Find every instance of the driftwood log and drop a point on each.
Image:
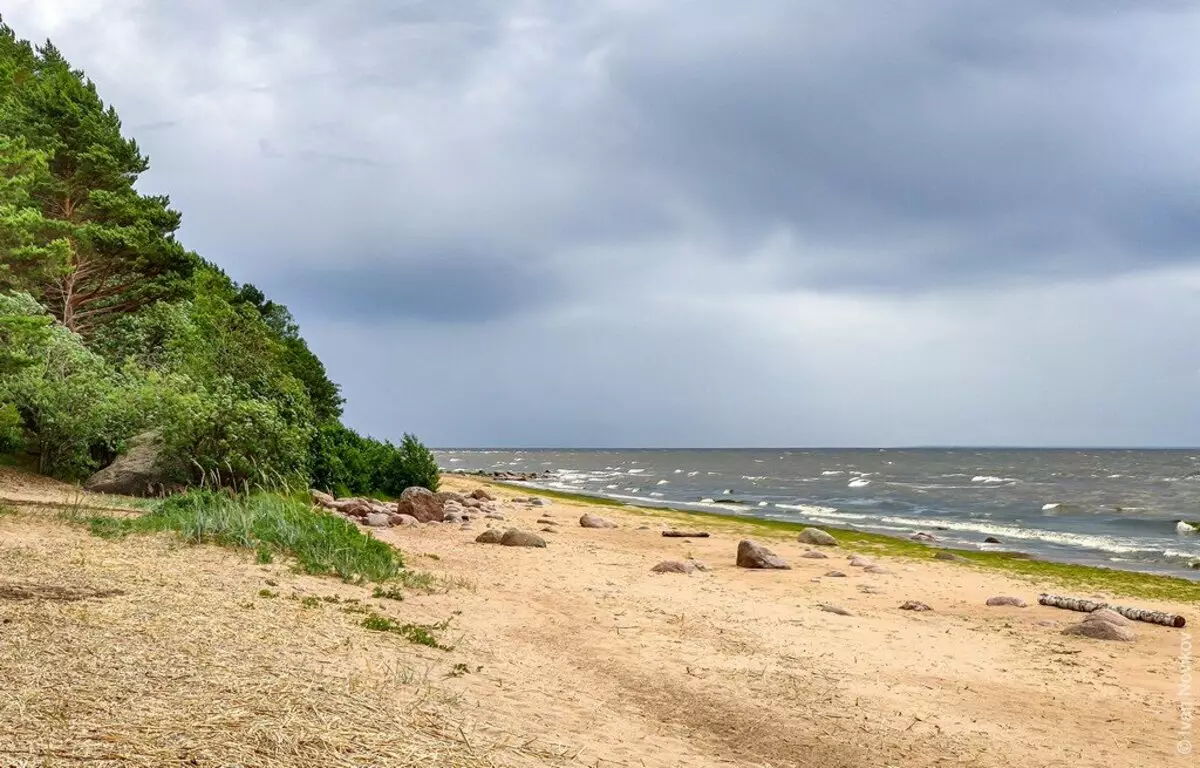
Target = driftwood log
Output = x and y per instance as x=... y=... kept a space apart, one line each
x=686 y=534
x=1083 y=605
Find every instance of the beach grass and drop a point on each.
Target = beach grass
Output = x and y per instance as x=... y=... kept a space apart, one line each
x=269 y=524
x=1066 y=575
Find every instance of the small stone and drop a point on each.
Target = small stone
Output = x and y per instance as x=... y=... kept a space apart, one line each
x=538 y=501
x=858 y=561
x=1016 y=602
x=673 y=566
x=869 y=589
x=876 y=569
x=546 y=521
x=839 y=610
x=991 y=540
x=588 y=520
x=914 y=605
x=699 y=566
x=751 y=555
x=548 y=529
x=813 y=554
x=1101 y=630
x=403 y=521
x=490 y=536
x=494 y=516
x=818 y=537
x=482 y=495
x=514 y=538
x=835 y=574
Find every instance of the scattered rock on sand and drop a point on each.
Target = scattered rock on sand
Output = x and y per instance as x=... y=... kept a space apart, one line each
x=914 y=605
x=951 y=557
x=813 y=554
x=699 y=566
x=472 y=503
x=378 y=520
x=447 y=496
x=817 y=536
x=858 y=561
x=1006 y=600
x=546 y=521
x=1109 y=615
x=922 y=536
x=835 y=574
x=1101 y=630
x=876 y=569
x=514 y=538
x=548 y=529
x=991 y=540
x=494 y=516
x=538 y=501
x=482 y=495
x=490 y=536
x=673 y=566
x=839 y=610
x=404 y=521
x=869 y=589
x=684 y=534
x=588 y=520
x=421 y=504
x=751 y=555
x=321 y=499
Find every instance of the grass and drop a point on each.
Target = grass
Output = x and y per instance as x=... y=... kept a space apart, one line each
x=389 y=593
x=1066 y=575
x=6 y=511
x=421 y=634
x=581 y=498
x=321 y=543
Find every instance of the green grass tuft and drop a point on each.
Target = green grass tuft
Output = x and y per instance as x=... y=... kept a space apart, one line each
x=7 y=511
x=321 y=543
x=390 y=593
x=421 y=634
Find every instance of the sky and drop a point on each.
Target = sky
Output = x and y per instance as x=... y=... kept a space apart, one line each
x=642 y=223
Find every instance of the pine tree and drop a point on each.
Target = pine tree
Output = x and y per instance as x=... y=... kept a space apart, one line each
x=106 y=249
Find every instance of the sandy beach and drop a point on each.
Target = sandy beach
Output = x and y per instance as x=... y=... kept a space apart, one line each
x=575 y=654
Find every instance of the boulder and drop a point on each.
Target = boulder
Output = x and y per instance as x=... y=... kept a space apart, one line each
x=514 y=538
x=136 y=472
x=1101 y=630
x=813 y=554
x=673 y=566
x=321 y=499
x=1110 y=616
x=482 y=495
x=588 y=520
x=353 y=507
x=991 y=540
x=858 y=561
x=1016 y=602
x=922 y=536
x=538 y=501
x=490 y=536
x=378 y=520
x=876 y=569
x=422 y=504
x=472 y=503
x=818 y=537
x=545 y=521
x=914 y=605
x=835 y=574
x=404 y=521
x=751 y=555
x=447 y=496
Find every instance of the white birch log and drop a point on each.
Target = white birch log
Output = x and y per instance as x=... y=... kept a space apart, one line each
x=1083 y=605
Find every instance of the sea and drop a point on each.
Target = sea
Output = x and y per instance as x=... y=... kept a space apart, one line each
x=1113 y=508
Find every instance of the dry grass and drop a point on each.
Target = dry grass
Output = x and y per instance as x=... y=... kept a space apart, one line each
x=190 y=667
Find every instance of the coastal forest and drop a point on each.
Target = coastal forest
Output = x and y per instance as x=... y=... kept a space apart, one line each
x=110 y=328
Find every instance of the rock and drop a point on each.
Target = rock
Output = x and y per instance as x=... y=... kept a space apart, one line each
x=813 y=554
x=453 y=517
x=870 y=589
x=482 y=495
x=1110 y=616
x=922 y=536
x=839 y=610
x=673 y=566
x=514 y=538
x=548 y=529
x=378 y=520
x=1016 y=602
x=914 y=605
x=494 y=516
x=1101 y=630
x=876 y=569
x=490 y=536
x=835 y=574
x=588 y=520
x=354 y=507
x=465 y=527
x=321 y=499
x=472 y=503
x=422 y=504
x=404 y=521
x=858 y=561
x=751 y=555
x=136 y=472
x=991 y=540
x=699 y=566
x=546 y=521
x=673 y=534
x=448 y=496
x=818 y=537
x=951 y=557
x=538 y=501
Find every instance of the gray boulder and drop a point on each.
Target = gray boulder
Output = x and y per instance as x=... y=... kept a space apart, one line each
x=588 y=520
x=1101 y=630
x=137 y=472
x=1110 y=616
x=751 y=555
x=514 y=538
x=673 y=566
x=378 y=520
x=490 y=536
x=813 y=554
x=482 y=495
x=404 y=521
x=818 y=537
x=422 y=504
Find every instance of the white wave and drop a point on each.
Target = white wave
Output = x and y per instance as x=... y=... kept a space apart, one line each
x=1182 y=527
x=813 y=509
x=610 y=487
x=762 y=503
x=1114 y=477
x=1052 y=506
x=455 y=459
x=992 y=479
x=1086 y=541
x=656 y=495
x=831 y=472
x=706 y=501
x=728 y=491
x=858 y=482
x=693 y=474
x=678 y=471
x=754 y=478
x=662 y=482
x=636 y=471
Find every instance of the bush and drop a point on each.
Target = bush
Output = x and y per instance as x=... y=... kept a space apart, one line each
x=412 y=464
x=10 y=429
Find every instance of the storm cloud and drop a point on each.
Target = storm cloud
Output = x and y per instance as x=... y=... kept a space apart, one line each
x=655 y=223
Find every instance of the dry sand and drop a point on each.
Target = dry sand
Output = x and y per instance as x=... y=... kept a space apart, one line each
x=571 y=655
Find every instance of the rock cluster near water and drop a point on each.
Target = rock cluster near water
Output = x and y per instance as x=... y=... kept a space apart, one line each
x=415 y=505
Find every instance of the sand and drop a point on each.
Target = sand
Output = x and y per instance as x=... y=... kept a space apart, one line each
x=571 y=655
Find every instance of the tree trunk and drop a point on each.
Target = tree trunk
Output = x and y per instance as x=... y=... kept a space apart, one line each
x=1083 y=605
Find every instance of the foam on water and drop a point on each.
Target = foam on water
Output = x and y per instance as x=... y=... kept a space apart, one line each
x=858 y=482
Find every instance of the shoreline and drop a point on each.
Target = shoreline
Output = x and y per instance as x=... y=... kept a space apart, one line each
x=1079 y=575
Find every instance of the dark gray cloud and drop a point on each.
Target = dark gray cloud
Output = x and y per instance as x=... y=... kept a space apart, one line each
x=921 y=221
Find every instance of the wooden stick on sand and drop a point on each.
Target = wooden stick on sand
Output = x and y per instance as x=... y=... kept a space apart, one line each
x=1084 y=605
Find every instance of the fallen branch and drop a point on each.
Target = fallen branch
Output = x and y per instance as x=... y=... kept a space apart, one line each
x=685 y=534
x=1083 y=605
